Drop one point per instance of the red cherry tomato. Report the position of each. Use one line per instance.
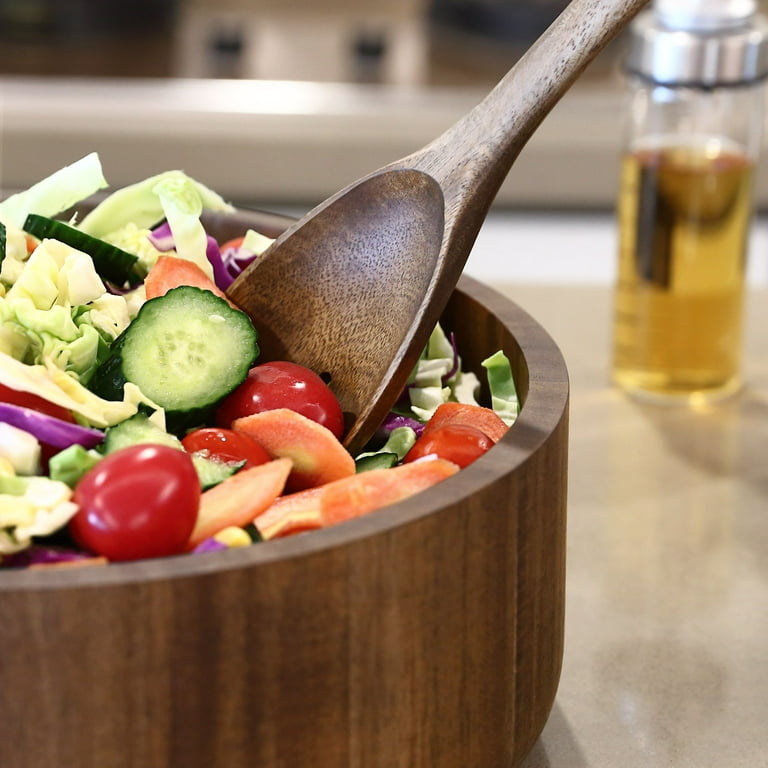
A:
(282, 384)
(28, 400)
(226, 445)
(140, 501)
(459, 443)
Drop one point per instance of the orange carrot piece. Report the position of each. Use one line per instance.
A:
(239, 499)
(172, 271)
(478, 416)
(376, 488)
(292, 513)
(318, 457)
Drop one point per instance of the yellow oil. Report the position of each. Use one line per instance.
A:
(684, 215)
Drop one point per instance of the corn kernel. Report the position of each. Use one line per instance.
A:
(233, 537)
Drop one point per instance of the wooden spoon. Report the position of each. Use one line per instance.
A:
(355, 287)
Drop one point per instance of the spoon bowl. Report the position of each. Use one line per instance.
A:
(393, 222)
(355, 287)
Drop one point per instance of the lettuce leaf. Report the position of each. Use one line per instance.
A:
(139, 204)
(501, 382)
(55, 193)
(59, 312)
(31, 506)
(183, 206)
(51, 383)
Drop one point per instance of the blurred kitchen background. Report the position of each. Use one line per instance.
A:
(279, 103)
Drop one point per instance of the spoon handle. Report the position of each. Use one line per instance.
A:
(472, 158)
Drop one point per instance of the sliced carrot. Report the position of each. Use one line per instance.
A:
(350, 497)
(172, 271)
(367, 491)
(31, 242)
(239, 499)
(292, 513)
(484, 419)
(317, 456)
(233, 244)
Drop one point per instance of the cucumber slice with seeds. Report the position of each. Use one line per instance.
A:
(185, 351)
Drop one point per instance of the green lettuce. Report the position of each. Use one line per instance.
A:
(182, 206)
(171, 195)
(55, 193)
(58, 312)
(438, 377)
(31, 506)
(501, 382)
(50, 382)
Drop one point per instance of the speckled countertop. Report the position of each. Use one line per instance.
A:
(666, 661)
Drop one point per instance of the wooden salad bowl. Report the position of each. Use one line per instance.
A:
(425, 635)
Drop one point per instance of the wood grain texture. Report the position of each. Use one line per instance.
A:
(426, 635)
(382, 256)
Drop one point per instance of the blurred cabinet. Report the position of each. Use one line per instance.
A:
(327, 40)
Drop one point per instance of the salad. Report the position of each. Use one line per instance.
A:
(136, 418)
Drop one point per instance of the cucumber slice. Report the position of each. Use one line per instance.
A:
(380, 460)
(211, 471)
(111, 263)
(136, 430)
(186, 351)
(139, 429)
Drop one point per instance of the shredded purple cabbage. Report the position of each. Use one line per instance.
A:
(209, 545)
(221, 275)
(48, 429)
(236, 260)
(395, 420)
(40, 554)
(162, 238)
(118, 290)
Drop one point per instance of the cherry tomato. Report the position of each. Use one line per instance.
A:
(282, 384)
(226, 445)
(140, 501)
(459, 443)
(40, 404)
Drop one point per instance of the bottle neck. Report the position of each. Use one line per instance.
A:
(710, 59)
(705, 16)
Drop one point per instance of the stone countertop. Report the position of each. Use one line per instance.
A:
(667, 573)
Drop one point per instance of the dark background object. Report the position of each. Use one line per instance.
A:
(87, 37)
(518, 22)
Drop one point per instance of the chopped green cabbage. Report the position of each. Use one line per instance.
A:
(55, 193)
(16, 256)
(501, 382)
(31, 506)
(399, 442)
(69, 465)
(136, 240)
(57, 311)
(50, 382)
(20, 449)
(256, 242)
(183, 206)
(140, 205)
(438, 378)
(431, 385)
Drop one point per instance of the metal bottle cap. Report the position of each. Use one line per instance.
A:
(703, 43)
(705, 15)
